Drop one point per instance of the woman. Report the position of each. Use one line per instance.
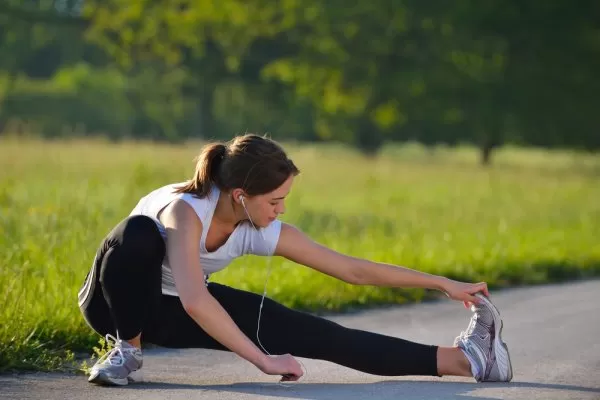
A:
(149, 282)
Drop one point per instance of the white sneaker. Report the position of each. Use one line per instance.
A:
(121, 365)
(482, 342)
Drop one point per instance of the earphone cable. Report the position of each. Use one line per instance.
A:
(264, 288)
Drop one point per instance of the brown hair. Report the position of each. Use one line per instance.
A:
(256, 164)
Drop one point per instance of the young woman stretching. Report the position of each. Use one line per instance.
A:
(149, 282)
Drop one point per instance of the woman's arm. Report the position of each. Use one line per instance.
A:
(298, 247)
(183, 233)
(183, 237)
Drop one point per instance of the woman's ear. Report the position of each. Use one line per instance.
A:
(238, 195)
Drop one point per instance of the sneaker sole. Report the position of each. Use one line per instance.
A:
(500, 347)
(101, 378)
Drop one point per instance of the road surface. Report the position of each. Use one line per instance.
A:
(553, 333)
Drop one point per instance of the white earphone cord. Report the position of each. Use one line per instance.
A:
(265, 286)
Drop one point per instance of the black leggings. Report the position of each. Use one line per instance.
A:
(123, 292)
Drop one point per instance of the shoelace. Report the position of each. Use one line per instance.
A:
(469, 331)
(116, 355)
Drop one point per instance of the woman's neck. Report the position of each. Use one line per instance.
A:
(226, 213)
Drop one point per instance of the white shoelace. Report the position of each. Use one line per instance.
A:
(116, 355)
(469, 331)
(472, 325)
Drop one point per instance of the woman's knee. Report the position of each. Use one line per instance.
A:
(140, 233)
(134, 244)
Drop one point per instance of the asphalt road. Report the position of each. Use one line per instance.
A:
(553, 333)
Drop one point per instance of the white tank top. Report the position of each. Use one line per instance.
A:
(243, 240)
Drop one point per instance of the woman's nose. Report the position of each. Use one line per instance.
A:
(281, 209)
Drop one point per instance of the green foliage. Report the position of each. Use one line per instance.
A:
(79, 99)
(531, 218)
(478, 72)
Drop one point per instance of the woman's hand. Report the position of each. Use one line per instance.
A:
(463, 291)
(284, 365)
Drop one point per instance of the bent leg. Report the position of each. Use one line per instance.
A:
(124, 283)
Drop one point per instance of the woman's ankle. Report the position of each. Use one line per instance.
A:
(452, 361)
(136, 341)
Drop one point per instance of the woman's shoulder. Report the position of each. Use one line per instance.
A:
(203, 206)
(159, 198)
(172, 191)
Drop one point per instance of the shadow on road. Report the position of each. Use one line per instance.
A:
(379, 390)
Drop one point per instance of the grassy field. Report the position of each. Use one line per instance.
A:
(532, 217)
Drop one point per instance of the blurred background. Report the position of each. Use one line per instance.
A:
(484, 73)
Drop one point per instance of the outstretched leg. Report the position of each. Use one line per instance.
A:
(284, 330)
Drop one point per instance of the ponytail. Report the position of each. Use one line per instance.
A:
(207, 170)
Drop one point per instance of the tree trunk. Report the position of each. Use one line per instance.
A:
(4, 111)
(491, 140)
(204, 128)
(369, 139)
(486, 153)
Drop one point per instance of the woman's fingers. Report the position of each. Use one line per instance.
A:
(478, 287)
(471, 299)
(482, 287)
(466, 292)
(485, 290)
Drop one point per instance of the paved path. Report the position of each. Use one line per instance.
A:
(553, 333)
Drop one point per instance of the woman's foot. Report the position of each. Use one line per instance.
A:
(482, 344)
(121, 365)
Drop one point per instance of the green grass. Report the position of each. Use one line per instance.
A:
(530, 218)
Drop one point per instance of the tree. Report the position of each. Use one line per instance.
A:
(481, 72)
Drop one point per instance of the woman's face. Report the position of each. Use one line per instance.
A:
(265, 208)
